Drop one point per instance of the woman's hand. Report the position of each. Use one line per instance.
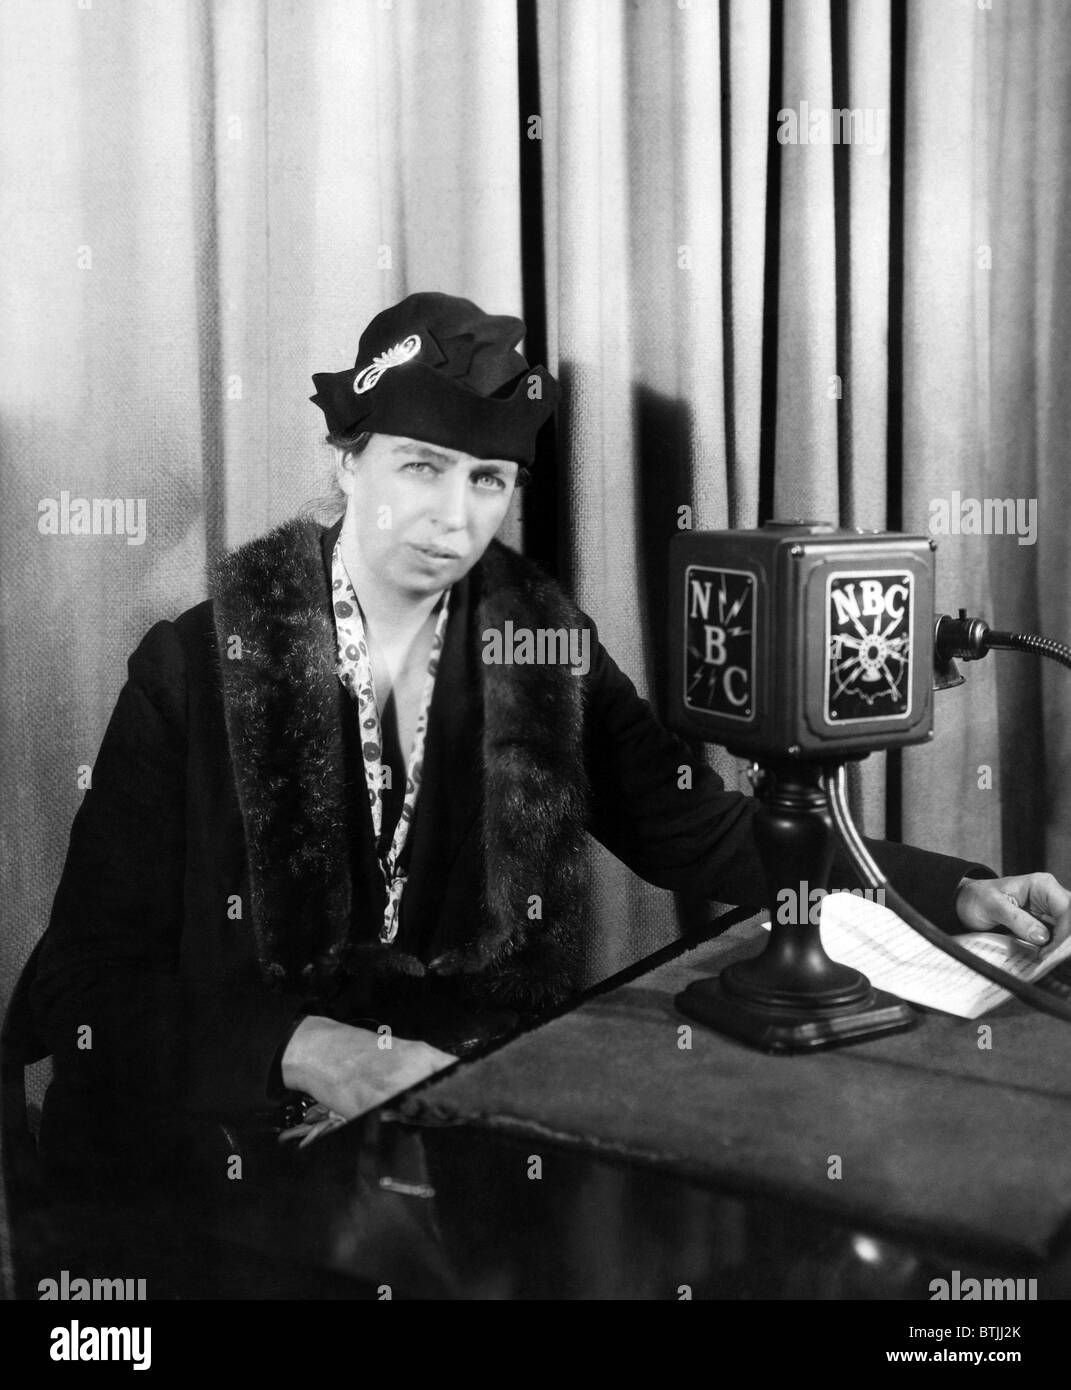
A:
(1033, 907)
(349, 1070)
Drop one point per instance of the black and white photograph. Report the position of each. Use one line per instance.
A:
(536, 637)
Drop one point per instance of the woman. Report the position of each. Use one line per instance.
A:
(329, 846)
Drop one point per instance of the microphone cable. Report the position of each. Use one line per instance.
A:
(835, 782)
(972, 638)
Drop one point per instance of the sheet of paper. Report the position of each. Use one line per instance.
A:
(873, 939)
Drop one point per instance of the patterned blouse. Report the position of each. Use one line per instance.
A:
(355, 673)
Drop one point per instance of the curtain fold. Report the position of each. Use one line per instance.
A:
(946, 382)
(805, 468)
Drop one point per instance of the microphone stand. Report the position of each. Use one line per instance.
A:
(792, 997)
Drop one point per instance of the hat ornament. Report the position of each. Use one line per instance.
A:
(393, 357)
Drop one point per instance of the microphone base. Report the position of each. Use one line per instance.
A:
(799, 1028)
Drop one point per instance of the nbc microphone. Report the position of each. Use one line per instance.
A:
(801, 640)
(799, 646)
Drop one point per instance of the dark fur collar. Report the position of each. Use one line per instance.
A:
(282, 708)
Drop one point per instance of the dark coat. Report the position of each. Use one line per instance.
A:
(221, 878)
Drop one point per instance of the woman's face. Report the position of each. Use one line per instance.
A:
(421, 515)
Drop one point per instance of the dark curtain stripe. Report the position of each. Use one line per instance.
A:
(894, 461)
(842, 190)
(732, 500)
(771, 272)
(542, 535)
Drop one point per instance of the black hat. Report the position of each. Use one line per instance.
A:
(439, 369)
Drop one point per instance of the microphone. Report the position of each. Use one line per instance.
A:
(802, 640)
(799, 646)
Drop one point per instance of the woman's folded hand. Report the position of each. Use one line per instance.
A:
(350, 1070)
